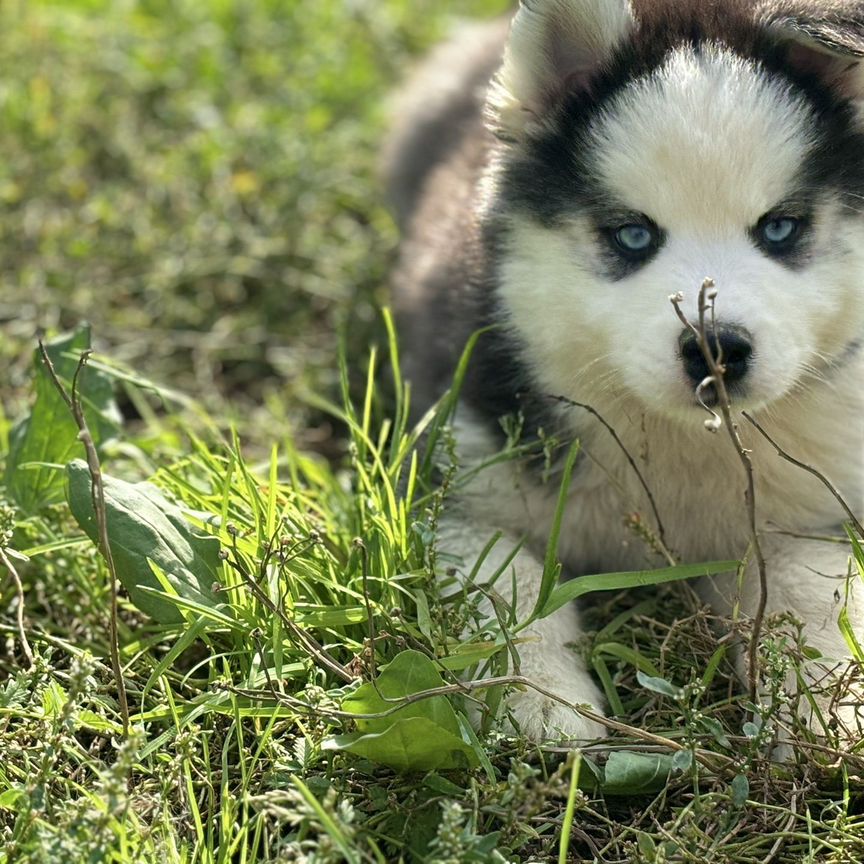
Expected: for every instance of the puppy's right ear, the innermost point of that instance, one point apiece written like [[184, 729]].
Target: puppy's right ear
[[824, 38], [554, 46]]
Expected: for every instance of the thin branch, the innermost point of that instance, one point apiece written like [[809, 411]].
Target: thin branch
[[707, 758], [19, 588], [370, 615], [303, 638], [717, 370], [661, 531], [97, 494], [810, 470]]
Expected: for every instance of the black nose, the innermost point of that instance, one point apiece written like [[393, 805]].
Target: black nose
[[734, 342]]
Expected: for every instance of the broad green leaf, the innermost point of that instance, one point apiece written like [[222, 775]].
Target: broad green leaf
[[48, 438], [144, 526], [683, 760], [9, 799], [658, 685], [421, 736], [629, 773], [410, 672], [713, 726], [574, 588], [409, 744]]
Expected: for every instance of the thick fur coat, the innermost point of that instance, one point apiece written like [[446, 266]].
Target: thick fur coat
[[558, 177]]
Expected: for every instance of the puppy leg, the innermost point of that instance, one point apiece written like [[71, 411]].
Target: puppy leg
[[544, 657], [808, 579]]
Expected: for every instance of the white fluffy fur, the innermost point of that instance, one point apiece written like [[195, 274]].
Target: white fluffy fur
[[705, 148], [550, 42]]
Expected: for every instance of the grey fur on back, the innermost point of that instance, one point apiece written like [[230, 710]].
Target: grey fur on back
[[441, 102], [432, 162]]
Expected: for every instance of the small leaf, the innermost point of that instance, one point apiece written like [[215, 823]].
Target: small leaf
[[751, 730], [682, 761], [308, 615], [629, 773], [463, 656], [740, 790], [646, 845], [442, 785], [10, 798], [424, 618], [849, 635], [48, 438], [658, 685], [144, 526], [716, 729]]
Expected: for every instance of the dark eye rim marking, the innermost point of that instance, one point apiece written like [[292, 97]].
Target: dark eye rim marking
[[612, 230], [791, 247]]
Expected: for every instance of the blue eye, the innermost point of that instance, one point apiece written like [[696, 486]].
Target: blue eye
[[635, 238], [780, 231]]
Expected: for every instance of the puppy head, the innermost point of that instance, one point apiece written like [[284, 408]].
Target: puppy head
[[649, 146]]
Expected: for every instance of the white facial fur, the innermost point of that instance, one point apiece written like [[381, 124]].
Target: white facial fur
[[705, 147]]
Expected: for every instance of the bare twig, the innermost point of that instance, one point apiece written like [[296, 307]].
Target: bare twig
[[708, 758], [716, 378], [19, 588], [97, 493], [308, 642], [810, 470], [360, 546], [661, 531]]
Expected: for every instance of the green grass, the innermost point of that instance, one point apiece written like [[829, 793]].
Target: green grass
[[197, 180]]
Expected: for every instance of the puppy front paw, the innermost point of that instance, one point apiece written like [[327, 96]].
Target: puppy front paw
[[543, 719]]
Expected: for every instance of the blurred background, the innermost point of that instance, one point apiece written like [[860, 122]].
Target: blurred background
[[197, 178]]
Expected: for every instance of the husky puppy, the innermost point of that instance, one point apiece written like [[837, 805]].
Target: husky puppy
[[622, 153]]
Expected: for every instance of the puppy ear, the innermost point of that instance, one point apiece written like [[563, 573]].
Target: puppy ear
[[825, 38], [554, 46]]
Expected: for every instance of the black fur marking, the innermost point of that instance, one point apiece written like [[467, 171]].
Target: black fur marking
[[551, 177], [499, 382], [619, 262], [794, 254]]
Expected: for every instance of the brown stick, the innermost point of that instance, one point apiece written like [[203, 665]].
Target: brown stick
[[308, 642], [707, 758], [707, 297], [661, 531], [19, 588], [97, 493], [810, 470]]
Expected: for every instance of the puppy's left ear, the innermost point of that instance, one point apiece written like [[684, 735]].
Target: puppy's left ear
[[554, 47], [825, 38]]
